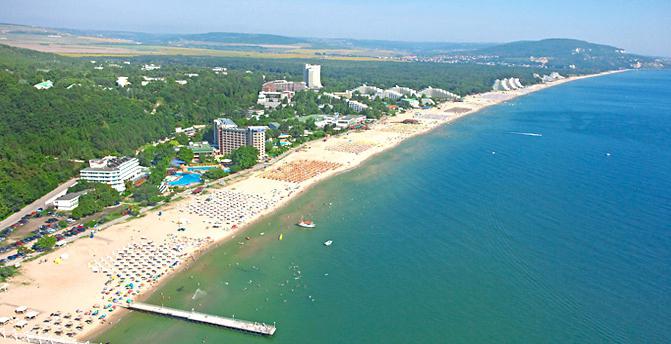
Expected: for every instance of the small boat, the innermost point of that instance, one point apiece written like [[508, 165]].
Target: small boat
[[306, 223], [281, 236], [328, 242]]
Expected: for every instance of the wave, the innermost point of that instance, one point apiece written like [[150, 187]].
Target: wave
[[525, 134]]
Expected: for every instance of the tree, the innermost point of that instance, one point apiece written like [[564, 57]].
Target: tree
[[62, 224], [145, 193], [80, 186], [214, 174], [185, 154], [97, 198], [45, 243], [182, 139], [245, 157]]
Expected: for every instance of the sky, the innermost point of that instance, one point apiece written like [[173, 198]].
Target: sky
[[641, 26]]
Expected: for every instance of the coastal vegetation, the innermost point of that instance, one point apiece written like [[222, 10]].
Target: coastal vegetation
[[214, 174], [45, 243], [244, 157], [98, 197], [7, 272]]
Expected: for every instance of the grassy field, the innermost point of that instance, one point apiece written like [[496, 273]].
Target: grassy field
[[50, 41]]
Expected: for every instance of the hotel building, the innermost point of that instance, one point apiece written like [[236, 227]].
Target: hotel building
[[312, 77], [229, 137], [357, 106], [283, 86], [112, 171]]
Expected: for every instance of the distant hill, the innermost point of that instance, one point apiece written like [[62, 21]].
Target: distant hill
[[214, 38], [559, 53], [557, 47]]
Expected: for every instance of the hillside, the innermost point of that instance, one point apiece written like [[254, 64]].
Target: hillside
[[84, 115], [562, 53]]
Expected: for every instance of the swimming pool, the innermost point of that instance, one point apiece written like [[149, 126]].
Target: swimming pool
[[203, 169], [200, 168], [186, 179]]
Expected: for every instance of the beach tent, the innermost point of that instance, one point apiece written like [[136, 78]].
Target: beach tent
[[21, 309], [21, 324], [32, 314], [4, 320]]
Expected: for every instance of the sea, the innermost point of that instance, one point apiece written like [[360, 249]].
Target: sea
[[545, 219]]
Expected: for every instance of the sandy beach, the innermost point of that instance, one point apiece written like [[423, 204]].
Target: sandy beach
[[71, 288]]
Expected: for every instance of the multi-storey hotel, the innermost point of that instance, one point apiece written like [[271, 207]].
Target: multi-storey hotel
[[112, 171], [229, 137], [282, 86], [312, 76]]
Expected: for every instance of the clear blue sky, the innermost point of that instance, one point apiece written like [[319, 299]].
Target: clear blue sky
[[641, 26]]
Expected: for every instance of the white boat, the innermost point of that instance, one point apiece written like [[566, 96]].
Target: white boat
[[328, 242], [306, 223]]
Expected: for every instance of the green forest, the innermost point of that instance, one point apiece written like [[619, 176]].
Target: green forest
[[462, 79], [46, 134]]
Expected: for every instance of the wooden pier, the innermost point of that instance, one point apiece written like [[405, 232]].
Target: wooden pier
[[242, 325]]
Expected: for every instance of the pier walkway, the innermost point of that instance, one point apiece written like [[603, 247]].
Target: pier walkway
[[242, 325]]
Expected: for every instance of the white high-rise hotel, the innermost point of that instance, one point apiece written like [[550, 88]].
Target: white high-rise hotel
[[312, 77]]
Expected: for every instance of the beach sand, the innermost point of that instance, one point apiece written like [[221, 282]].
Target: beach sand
[[219, 214]]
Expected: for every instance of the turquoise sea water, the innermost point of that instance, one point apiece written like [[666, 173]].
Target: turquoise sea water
[[564, 237]]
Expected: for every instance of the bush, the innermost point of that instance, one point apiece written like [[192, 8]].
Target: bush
[[214, 174], [45, 243], [7, 272]]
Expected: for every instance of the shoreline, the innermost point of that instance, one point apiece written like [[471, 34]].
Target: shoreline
[[274, 186]]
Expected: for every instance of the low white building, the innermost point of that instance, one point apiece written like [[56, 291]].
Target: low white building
[[147, 79], [350, 120], [271, 100], [220, 70], [122, 81], [68, 202], [150, 66], [112, 171], [326, 120], [44, 85]]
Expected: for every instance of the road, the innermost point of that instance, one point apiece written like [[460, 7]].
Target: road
[[39, 203]]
